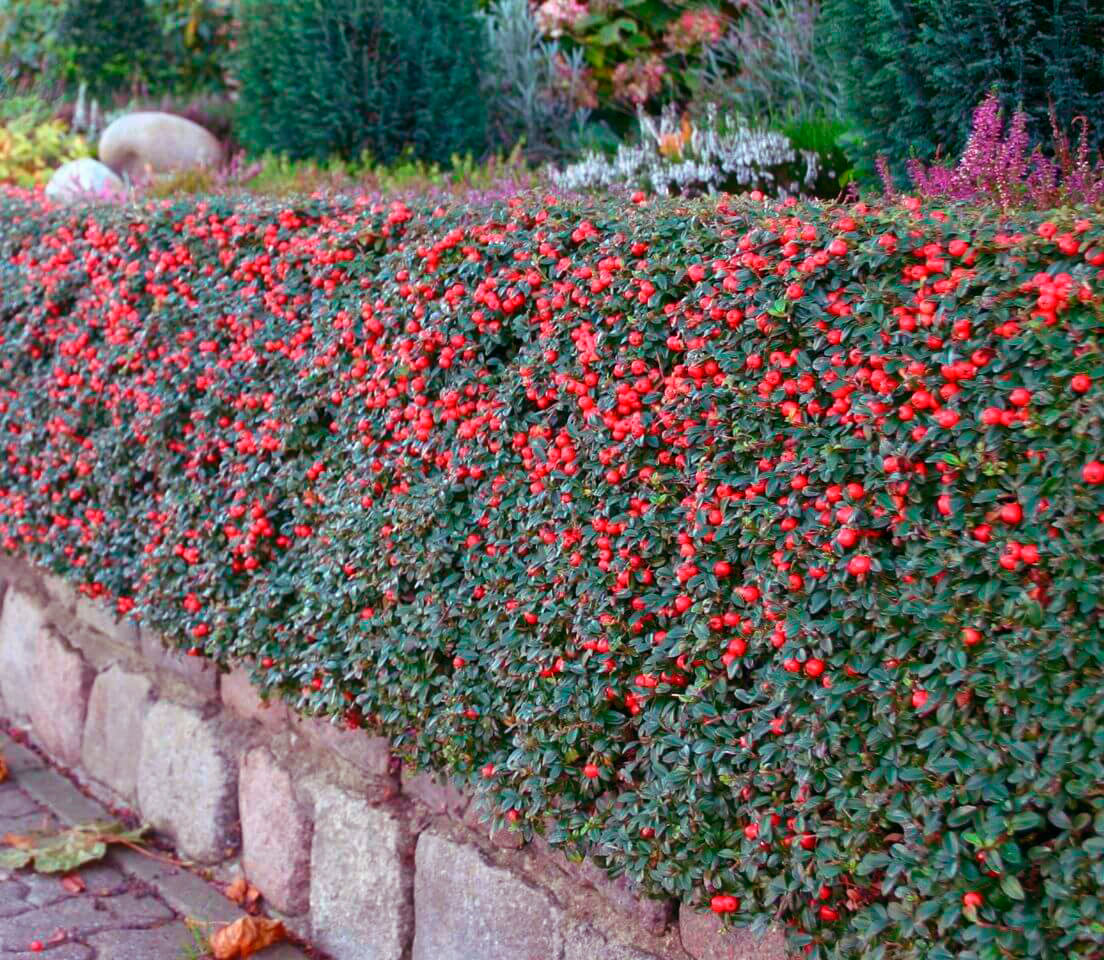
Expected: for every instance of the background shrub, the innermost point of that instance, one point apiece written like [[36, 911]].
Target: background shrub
[[109, 45], [770, 65], [538, 96], [756, 545], [25, 30], [912, 69], [195, 43], [383, 76], [32, 148]]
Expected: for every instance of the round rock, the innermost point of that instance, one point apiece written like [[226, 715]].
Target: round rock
[[141, 145], [84, 179]]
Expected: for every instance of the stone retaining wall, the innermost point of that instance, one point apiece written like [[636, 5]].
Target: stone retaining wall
[[367, 860]]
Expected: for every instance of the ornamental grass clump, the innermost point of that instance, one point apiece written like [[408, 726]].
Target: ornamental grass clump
[[754, 547]]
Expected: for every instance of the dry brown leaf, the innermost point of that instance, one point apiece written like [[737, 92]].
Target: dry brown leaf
[[237, 889], [74, 883], [245, 937], [3, 768], [18, 840]]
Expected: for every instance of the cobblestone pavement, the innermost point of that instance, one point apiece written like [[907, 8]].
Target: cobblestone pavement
[[133, 907]]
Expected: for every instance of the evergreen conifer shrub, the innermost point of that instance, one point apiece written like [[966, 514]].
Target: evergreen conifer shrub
[[324, 78], [914, 69]]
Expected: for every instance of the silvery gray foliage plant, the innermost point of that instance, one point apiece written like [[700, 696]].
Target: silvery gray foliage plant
[[771, 63], [676, 157], [533, 86]]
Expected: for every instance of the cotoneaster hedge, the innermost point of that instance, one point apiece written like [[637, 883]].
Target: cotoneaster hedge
[[754, 548]]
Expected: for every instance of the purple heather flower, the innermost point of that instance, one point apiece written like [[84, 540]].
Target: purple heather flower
[[999, 166]]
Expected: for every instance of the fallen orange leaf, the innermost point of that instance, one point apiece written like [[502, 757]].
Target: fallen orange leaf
[[245, 937], [17, 840], [3, 768], [237, 889], [74, 883]]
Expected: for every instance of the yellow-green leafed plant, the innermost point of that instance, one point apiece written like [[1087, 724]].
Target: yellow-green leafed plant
[[30, 151]]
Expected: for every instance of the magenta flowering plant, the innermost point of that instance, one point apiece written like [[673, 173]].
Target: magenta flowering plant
[[1000, 165]]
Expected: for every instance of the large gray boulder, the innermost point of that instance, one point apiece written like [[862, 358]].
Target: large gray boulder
[[84, 179], [142, 145]]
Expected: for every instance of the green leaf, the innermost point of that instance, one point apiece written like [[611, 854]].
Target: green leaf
[[64, 850]]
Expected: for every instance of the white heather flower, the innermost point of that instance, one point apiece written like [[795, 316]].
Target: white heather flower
[[710, 156]]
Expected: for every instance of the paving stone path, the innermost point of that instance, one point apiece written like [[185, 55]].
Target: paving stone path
[[133, 907]]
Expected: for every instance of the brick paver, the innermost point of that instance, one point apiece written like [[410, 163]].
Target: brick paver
[[132, 908]]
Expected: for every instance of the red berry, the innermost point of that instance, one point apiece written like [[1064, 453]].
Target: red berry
[[971, 637], [1020, 397], [1081, 383], [858, 565], [972, 900], [1093, 472], [919, 699], [814, 667], [829, 914], [1011, 513], [37, 946], [724, 903], [590, 771], [722, 568]]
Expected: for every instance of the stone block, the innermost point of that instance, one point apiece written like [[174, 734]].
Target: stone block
[[704, 938], [198, 672], [187, 781], [276, 833], [434, 793], [480, 819], [622, 894], [585, 943], [361, 883], [59, 692], [239, 694], [21, 621], [370, 755], [62, 594], [466, 907], [100, 617], [117, 710]]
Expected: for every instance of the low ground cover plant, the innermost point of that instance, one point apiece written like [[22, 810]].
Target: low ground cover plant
[[752, 547]]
